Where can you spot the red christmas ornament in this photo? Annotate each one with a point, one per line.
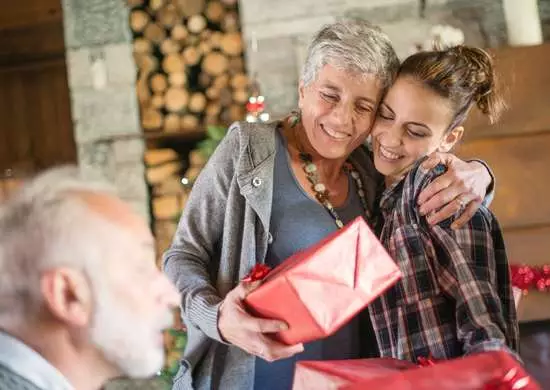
(529, 278)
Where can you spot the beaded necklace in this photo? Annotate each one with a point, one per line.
(321, 192)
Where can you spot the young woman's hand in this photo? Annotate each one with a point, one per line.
(461, 189)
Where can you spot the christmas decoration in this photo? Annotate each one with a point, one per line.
(256, 106)
(528, 278)
(440, 37)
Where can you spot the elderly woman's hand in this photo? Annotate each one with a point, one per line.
(250, 333)
(459, 190)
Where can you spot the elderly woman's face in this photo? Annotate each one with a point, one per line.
(338, 110)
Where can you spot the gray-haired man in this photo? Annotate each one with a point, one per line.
(81, 300)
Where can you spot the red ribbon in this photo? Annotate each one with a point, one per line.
(258, 272)
(426, 362)
(513, 380)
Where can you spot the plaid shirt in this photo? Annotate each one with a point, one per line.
(455, 296)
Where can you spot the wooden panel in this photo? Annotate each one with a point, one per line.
(17, 14)
(32, 43)
(535, 306)
(528, 246)
(525, 74)
(521, 166)
(518, 150)
(36, 127)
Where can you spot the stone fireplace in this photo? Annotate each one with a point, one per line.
(102, 77)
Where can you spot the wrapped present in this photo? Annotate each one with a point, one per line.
(482, 371)
(335, 374)
(318, 290)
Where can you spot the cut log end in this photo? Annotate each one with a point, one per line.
(215, 63)
(176, 99)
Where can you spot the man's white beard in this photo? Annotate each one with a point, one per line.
(127, 341)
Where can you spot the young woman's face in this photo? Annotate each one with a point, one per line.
(412, 122)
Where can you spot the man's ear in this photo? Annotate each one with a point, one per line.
(68, 296)
(450, 139)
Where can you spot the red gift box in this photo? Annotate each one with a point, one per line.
(318, 290)
(333, 375)
(483, 371)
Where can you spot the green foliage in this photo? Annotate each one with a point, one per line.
(214, 135)
(179, 338)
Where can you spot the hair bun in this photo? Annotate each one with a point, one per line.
(465, 75)
(483, 80)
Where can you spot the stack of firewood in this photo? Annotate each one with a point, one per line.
(189, 55)
(168, 195)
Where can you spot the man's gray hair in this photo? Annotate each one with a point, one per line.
(44, 225)
(353, 45)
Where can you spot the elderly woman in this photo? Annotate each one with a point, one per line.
(270, 190)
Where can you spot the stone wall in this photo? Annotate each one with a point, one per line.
(105, 112)
(283, 30)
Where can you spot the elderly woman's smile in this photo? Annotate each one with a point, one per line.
(336, 134)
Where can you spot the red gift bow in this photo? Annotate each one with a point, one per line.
(511, 381)
(426, 362)
(258, 272)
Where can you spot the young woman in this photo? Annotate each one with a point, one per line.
(455, 297)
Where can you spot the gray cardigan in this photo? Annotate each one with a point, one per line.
(223, 232)
(9, 380)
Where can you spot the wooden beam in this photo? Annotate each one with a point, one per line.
(41, 41)
(18, 14)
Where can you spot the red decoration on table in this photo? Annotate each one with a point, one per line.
(318, 290)
(527, 277)
(258, 272)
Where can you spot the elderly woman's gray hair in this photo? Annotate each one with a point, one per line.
(355, 46)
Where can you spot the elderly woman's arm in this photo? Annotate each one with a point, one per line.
(462, 189)
(189, 260)
(193, 259)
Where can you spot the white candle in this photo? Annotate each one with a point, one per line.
(523, 22)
